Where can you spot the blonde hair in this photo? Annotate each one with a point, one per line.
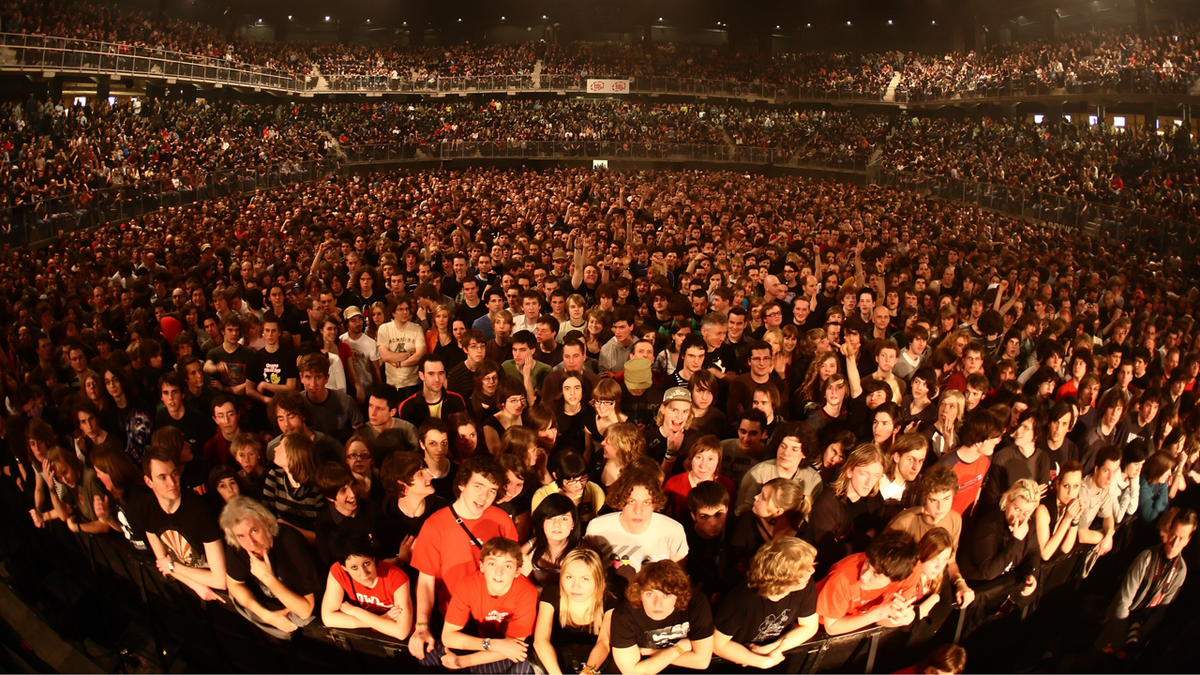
(627, 440)
(1023, 489)
(787, 496)
(778, 565)
(591, 559)
(864, 455)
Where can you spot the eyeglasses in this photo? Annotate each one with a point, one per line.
(597, 403)
(773, 314)
(491, 378)
(357, 456)
(578, 480)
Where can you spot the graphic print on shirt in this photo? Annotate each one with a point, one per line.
(663, 638)
(771, 627)
(182, 551)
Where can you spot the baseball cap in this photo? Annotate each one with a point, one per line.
(560, 255)
(637, 374)
(351, 312)
(677, 394)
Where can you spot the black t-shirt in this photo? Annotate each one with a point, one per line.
(1066, 452)
(570, 635)
(291, 320)
(184, 533)
(235, 363)
(329, 523)
(632, 628)
(291, 562)
(469, 314)
(126, 517)
(392, 526)
(751, 619)
(276, 368)
(196, 428)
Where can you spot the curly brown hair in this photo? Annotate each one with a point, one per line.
(622, 488)
(663, 575)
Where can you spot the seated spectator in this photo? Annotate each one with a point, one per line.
(556, 531)
(180, 528)
(771, 612)
(574, 620)
(703, 463)
(636, 535)
(1000, 543)
(1150, 586)
(875, 587)
(1057, 517)
(499, 605)
(271, 576)
(362, 591)
(571, 479)
(661, 622)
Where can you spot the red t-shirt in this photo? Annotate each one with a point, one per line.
(443, 551)
(840, 594)
(678, 487)
(377, 600)
(511, 615)
(970, 480)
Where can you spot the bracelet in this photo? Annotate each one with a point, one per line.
(422, 623)
(678, 649)
(1075, 522)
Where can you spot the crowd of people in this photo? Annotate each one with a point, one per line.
(605, 420)
(1158, 174)
(1166, 61)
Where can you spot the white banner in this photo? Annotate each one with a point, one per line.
(608, 86)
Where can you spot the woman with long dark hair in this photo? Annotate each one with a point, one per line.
(556, 532)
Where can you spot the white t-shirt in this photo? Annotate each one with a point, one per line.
(367, 351)
(665, 539)
(400, 340)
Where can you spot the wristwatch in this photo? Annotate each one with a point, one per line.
(487, 644)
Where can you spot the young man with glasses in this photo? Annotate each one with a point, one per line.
(401, 346)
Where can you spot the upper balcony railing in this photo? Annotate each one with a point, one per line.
(42, 53)
(1129, 81)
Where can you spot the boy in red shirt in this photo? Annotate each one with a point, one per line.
(981, 433)
(501, 604)
(447, 550)
(874, 587)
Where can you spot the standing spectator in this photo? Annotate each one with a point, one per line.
(662, 622)
(447, 550)
(272, 579)
(636, 535)
(401, 346)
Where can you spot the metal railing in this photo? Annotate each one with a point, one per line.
(43, 219)
(668, 152)
(41, 53)
(578, 84)
(1133, 227)
(1127, 81)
